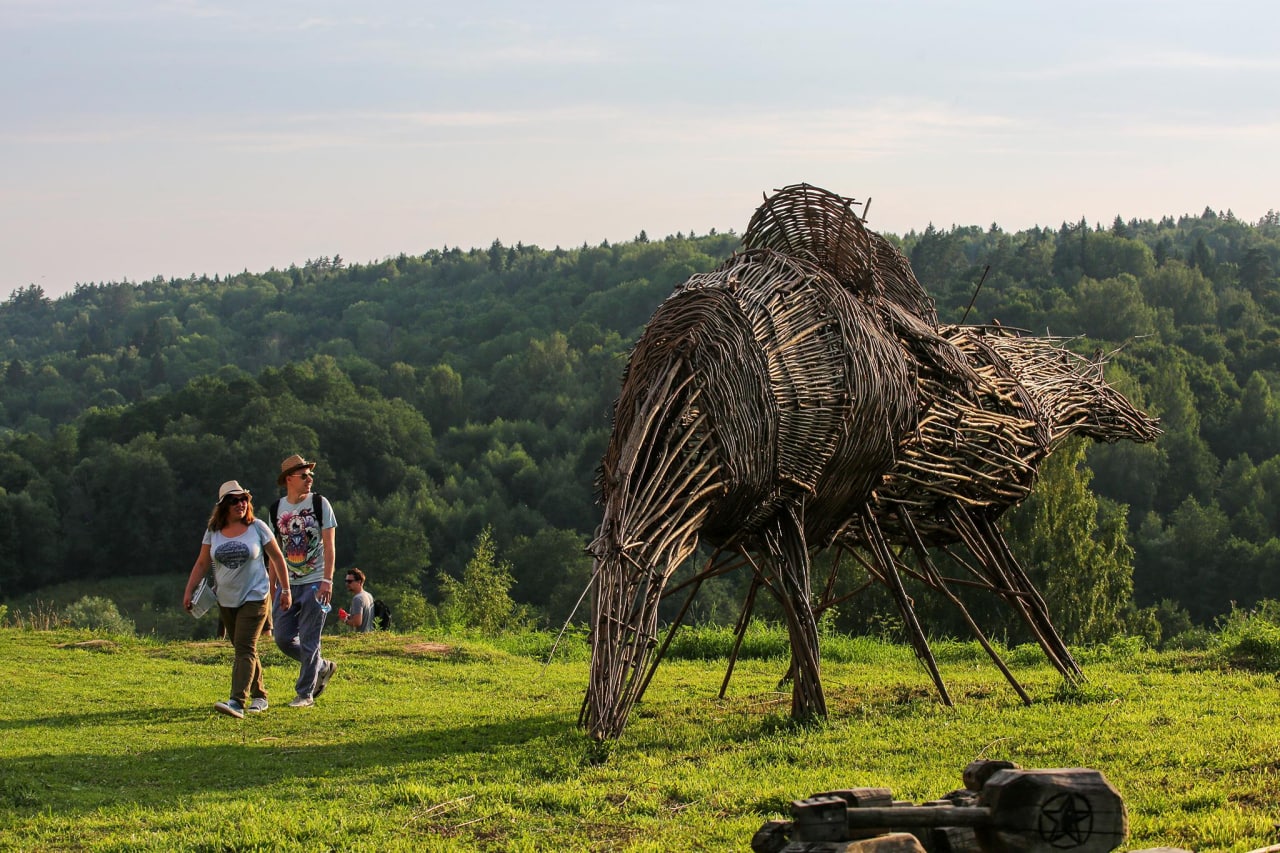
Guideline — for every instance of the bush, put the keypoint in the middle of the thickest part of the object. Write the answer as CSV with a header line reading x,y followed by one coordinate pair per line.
x,y
870,651
41,616
96,614
1251,638
961,651
1195,639
1118,648
1174,619
1026,654
1145,623
173,623
410,610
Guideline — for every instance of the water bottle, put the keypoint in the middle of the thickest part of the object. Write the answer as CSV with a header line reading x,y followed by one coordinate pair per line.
x,y
325,606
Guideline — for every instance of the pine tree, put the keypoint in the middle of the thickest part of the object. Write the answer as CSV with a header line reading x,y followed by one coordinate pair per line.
x,y
1077,556
482,599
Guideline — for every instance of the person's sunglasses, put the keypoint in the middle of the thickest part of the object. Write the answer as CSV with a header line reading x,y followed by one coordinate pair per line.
x,y
351,580
307,475
238,499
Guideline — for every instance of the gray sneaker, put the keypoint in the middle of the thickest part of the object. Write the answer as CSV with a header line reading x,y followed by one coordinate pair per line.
x,y
302,702
325,674
231,708
258,705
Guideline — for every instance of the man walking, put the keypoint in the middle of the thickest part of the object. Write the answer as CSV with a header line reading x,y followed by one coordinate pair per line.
x,y
361,615
303,522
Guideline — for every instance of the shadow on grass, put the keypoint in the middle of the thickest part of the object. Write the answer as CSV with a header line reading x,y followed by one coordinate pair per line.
x,y
229,755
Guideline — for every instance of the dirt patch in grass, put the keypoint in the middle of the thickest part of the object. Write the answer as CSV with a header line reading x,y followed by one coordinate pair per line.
x,y
429,649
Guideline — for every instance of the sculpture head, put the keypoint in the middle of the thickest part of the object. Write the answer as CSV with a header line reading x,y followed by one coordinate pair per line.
x,y
1069,392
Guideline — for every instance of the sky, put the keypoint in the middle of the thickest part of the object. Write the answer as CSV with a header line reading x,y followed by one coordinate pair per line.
x,y
178,137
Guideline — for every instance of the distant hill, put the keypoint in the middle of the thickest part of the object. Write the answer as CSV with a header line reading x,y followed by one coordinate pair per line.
x,y
457,389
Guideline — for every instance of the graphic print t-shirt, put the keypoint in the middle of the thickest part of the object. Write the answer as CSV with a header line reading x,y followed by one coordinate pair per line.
x,y
238,566
298,530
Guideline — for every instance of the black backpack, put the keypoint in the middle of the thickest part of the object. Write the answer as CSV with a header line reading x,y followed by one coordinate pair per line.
x,y
274,509
381,615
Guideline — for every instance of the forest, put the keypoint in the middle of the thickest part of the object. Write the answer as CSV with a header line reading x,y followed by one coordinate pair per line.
x,y
461,399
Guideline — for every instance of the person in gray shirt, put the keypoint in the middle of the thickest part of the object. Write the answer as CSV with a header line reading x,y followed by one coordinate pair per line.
x,y
361,615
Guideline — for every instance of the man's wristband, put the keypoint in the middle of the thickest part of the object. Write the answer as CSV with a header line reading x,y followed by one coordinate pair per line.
x,y
329,581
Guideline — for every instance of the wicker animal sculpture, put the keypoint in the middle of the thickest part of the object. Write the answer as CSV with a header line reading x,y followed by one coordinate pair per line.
x,y
761,401
970,459
803,395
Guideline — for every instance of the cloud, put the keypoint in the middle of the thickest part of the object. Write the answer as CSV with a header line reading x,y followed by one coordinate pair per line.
x,y
1248,132
876,129
1161,61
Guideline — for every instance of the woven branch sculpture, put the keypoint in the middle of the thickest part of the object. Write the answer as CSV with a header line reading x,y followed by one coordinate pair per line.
x,y
803,396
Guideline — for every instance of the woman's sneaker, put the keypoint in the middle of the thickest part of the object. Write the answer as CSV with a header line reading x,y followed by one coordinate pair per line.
x,y
231,708
258,705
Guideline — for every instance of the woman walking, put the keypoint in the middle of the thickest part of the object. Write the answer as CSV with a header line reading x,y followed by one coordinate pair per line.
x,y
238,547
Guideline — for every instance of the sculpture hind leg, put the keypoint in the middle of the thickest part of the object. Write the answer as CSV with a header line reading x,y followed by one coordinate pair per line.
x,y
887,565
1008,579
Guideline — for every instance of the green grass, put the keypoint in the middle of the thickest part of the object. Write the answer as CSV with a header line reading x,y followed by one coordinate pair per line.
x,y
115,746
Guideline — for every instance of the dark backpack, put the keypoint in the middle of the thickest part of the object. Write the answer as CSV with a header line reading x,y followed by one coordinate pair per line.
x,y
274,509
381,615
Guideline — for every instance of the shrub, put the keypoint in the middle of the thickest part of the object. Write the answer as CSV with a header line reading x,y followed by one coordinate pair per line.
x,y
859,649
961,651
410,610
1026,654
97,614
42,616
1194,639
1118,648
1145,623
1174,619
1251,638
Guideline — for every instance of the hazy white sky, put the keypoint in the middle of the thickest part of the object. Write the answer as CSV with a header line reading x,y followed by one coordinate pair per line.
x,y
168,137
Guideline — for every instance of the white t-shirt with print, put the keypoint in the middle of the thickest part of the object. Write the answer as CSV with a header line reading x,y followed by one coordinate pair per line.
x,y
298,531
239,567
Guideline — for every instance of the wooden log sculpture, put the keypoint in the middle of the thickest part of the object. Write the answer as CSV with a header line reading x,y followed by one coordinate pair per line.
x,y
1001,808
803,395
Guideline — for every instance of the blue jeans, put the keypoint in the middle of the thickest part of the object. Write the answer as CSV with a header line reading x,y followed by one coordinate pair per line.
x,y
297,634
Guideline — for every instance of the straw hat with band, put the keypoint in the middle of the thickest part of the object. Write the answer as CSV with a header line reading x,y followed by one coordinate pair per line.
x,y
231,487
292,465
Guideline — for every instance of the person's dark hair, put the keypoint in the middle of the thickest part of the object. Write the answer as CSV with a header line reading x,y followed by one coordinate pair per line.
x,y
357,574
222,509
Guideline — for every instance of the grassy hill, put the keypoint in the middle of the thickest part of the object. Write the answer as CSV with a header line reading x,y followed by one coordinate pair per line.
x,y
443,743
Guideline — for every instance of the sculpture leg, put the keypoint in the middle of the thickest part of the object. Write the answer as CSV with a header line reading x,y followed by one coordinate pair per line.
x,y
788,561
